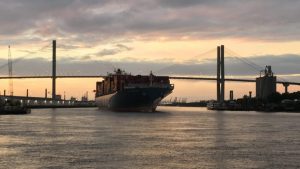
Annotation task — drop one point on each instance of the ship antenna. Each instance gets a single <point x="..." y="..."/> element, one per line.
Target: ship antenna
<point x="151" y="78"/>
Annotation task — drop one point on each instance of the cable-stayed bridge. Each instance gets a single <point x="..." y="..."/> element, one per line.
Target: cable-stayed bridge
<point x="171" y="77"/>
<point x="54" y="76"/>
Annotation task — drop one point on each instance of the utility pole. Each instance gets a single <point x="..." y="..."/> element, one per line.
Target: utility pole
<point x="46" y="93"/>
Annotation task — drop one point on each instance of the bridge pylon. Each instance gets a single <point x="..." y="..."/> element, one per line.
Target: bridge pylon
<point x="53" y="69"/>
<point x="220" y="74"/>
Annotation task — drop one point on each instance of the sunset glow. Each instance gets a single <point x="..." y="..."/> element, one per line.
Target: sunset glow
<point x="159" y="34"/>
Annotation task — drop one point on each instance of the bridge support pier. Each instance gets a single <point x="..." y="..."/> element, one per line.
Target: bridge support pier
<point x="286" y="85"/>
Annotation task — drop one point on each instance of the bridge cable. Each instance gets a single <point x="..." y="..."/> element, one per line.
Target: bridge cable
<point x="254" y="67"/>
<point x="10" y="72"/>
<point x="195" y="56"/>
<point x="250" y="63"/>
<point x="23" y="57"/>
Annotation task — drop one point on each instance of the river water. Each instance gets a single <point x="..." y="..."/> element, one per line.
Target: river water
<point x="174" y="137"/>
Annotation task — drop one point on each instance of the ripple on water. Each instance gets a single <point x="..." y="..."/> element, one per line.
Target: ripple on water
<point x="172" y="138"/>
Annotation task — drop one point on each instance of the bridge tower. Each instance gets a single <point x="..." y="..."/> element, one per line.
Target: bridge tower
<point x="53" y="69"/>
<point x="220" y="74"/>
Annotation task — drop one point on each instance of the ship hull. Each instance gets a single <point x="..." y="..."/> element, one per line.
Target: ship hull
<point x="133" y="99"/>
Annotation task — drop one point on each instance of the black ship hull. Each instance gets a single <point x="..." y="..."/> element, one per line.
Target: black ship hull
<point x="134" y="99"/>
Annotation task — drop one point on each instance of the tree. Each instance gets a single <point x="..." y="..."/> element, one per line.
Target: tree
<point x="275" y="98"/>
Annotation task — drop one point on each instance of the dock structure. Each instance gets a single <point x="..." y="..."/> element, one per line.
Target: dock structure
<point x="43" y="102"/>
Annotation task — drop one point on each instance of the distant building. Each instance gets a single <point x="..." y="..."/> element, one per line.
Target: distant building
<point x="58" y="97"/>
<point x="265" y="85"/>
<point x="84" y="99"/>
<point x="73" y="99"/>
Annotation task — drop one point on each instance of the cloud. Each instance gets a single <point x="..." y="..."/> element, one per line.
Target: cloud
<point x="116" y="49"/>
<point x="106" y="52"/>
<point x="113" y="51"/>
<point x="184" y="3"/>
<point x="124" y="47"/>
<point x="95" y="21"/>
<point x="87" y="57"/>
<point x="26" y="51"/>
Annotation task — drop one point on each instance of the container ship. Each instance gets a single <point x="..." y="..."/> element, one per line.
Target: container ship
<point x="121" y="91"/>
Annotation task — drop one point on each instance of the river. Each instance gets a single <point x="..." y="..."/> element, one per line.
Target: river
<point x="173" y="137"/>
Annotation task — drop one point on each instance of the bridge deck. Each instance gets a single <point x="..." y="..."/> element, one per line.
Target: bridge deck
<point x="171" y="77"/>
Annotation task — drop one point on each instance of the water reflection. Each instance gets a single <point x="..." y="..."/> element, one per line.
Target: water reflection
<point x="5" y="142"/>
<point x="172" y="138"/>
<point x="220" y="155"/>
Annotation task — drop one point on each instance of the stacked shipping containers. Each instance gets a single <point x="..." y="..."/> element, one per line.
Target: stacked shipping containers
<point x="117" y="82"/>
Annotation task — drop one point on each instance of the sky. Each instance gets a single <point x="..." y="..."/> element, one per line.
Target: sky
<point x="168" y="37"/>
